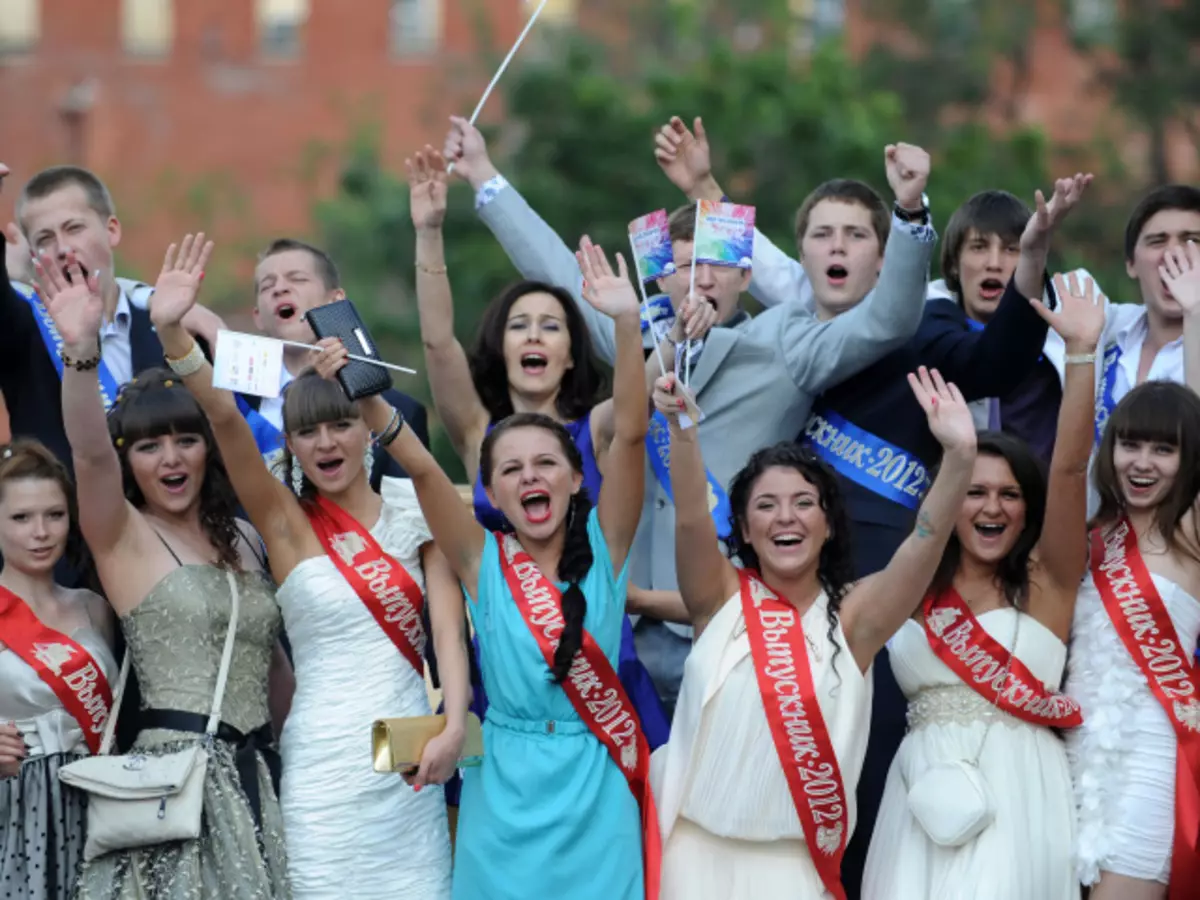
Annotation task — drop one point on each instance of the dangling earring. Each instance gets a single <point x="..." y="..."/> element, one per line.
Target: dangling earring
<point x="369" y="460"/>
<point x="297" y="476"/>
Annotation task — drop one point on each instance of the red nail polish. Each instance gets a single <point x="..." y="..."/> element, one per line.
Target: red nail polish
<point x="416" y="788"/>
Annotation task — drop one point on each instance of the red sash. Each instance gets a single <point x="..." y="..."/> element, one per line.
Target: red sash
<point x="802" y="741"/>
<point x="1140" y="618"/>
<point x="384" y="586"/>
<point x="981" y="661"/>
<point x="594" y="690"/>
<point x="66" y="667"/>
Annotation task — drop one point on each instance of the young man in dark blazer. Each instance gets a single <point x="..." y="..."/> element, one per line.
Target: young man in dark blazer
<point x="291" y="278"/>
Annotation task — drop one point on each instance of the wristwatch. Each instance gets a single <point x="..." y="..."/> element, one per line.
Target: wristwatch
<point x="919" y="215"/>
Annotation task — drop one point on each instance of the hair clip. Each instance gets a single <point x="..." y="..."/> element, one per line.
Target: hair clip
<point x="169" y="383"/>
<point x="8" y="452"/>
<point x="119" y="442"/>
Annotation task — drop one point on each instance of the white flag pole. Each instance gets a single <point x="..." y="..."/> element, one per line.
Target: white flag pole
<point x="687" y="367"/>
<point x="645" y="303"/>
<point x="504" y="65"/>
<point x="353" y="356"/>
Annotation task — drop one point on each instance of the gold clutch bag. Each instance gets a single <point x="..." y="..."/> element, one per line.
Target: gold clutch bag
<point x="397" y="744"/>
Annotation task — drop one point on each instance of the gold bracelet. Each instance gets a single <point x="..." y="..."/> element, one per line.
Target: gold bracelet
<point x="188" y="364"/>
<point x="1080" y="359"/>
<point x="431" y="270"/>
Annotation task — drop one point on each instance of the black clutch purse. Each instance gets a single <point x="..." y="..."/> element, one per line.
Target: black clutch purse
<point x="341" y="320"/>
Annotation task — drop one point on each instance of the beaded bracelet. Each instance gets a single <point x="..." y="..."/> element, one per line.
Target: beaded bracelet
<point x="81" y="365"/>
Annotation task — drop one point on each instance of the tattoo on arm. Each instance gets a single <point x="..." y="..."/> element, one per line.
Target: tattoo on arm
<point x="924" y="527"/>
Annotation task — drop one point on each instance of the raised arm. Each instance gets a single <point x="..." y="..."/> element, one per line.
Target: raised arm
<point x="270" y="504"/>
<point x="819" y="355"/>
<point x="533" y="246"/>
<point x="1062" y="549"/>
<point x="105" y="517"/>
<point x="706" y="578"/>
<point x="623" y="489"/>
<point x="19" y="336"/>
<point x="1180" y="271"/>
<point x="454" y="395"/>
<point x="684" y="156"/>
<point x="877" y="606"/>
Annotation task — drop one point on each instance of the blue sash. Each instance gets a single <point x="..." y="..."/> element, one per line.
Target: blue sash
<point x="54" y="344"/>
<point x="1108" y="383"/>
<point x="268" y="438"/>
<point x="867" y="459"/>
<point x="658" y="451"/>
<point x="659" y="314"/>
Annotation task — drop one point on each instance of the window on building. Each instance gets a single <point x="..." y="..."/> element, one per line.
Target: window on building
<point x="147" y="27"/>
<point x="20" y="27"/>
<point x="281" y="27"/>
<point x="414" y="27"/>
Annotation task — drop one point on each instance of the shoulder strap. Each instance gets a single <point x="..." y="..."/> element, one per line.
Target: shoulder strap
<point x="214" y="718"/>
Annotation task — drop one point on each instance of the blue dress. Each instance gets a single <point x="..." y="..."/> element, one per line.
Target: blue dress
<point x="548" y="814"/>
<point x="634" y="677"/>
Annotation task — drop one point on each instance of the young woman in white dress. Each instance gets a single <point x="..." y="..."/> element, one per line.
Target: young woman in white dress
<point x="350" y="831"/>
<point x="730" y="826"/>
<point x="1135" y="781"/>
<point x="1010" y="572"/>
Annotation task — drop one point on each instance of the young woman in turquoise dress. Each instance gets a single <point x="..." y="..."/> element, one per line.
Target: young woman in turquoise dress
<point x="532" y="353"/>
<point x="551" y="812"/>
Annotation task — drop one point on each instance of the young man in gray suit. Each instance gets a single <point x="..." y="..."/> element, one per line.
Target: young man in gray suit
<point x="755" y="378"/>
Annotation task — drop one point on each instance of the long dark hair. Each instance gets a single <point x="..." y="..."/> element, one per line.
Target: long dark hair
<point x="308" y="401"/>
<point x="156" y="403"/>
<point x="576" y="559"/>
<point x="26" y="459"/>
<point x="1012" y="572"/>
<point x="581" y="384"/>
<point x="1160" y="412"/>
<point x="835" y="567"/>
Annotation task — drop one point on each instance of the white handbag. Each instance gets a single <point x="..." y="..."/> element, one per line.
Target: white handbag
<point x="951" y="801"/>
<point x="139" y="799"/>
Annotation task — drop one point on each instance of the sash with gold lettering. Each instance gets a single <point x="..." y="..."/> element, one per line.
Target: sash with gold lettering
<point x="594" y="690"/>
<point x="1140" y="618"/>
<point x="384" y="586"/>
<point x="67" y="668"/>
<point x="802" y="741"/>
<point x="981" y="662"/>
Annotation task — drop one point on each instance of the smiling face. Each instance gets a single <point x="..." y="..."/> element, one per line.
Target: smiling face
<point x="1145" y="470"/>
<point x="992" y="517"/>
<point x="785" y="524"/>
<point x="985" y="266"/>
<point x="34" y="524"/>
<point x="64" y="221"/>
<point x="1164" y="230"/>
<point x="537" y="345"/>
<point x="331" y="454"/>
<point x="169" y="470"/>
<point x="288" y="285"/>
<point x="841" y="253"/>
<point x="532" y="481"/>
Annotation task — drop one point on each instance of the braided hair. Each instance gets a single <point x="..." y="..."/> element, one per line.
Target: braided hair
<point x="835" y="568"/>
<point x="156" y="403"/>
<point x="577" y="557"/>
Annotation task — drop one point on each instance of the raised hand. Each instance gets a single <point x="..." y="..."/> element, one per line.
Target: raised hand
<point x="1079" y="318"/>
<point x="73" y="299"/>
<point x="949" y="416"/>
<point x="466" y="150"/>
<point x="331" y="358"/>
<point x="694" y="320"/>
<point x="673" y="398"/>
<point x="1047" y="216"/>
<point x="427" y="189"/>
<point x="683" y="154"/>
<point x="612" y="294"/>
<point x="907" y="173"/>
<point x="16" y="248"/>
<point x="1180" y="272"/>
<point x="179" y="281"/>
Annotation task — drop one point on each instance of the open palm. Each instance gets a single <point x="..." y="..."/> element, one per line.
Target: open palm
<point x="611" y="294"/>
<point x="1180" y="271"/>
<point x="74" y="303"/>
<point x="949" y="417"/>
<point x="178" y="283"/>
<point x="1079" y="318"/>
<point x="683" y="155"/>
<point x="427" y="188"/>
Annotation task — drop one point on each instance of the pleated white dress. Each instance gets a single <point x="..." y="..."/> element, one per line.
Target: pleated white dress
<point x="351" y="831"/>
<point x="1026" y="851"/>
<point x="1123" y="757"/>
<point x="729" y="826"/>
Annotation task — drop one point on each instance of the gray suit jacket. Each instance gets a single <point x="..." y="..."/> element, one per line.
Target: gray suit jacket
<point x="756" y="377"/>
